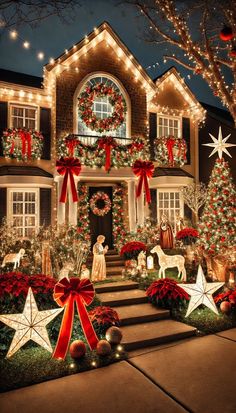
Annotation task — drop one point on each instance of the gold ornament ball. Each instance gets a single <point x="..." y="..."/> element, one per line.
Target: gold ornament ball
<point x="114" y="335"/>
<point x="225" y="307"/>
<point x="77" y="349"/>
<point x="103" y="348"/>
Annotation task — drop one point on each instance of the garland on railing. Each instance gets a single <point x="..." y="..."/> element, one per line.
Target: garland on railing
<point x="96" y="154"/>
<point x="170" y="151"/>
<point x="22" y="144"/>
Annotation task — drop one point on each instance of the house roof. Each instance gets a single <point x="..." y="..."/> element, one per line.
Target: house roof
<point x="23" y="170"/>
<point x="218" y="113"/>
<point x="170" y="172"/>
<point x="20" y="78"/>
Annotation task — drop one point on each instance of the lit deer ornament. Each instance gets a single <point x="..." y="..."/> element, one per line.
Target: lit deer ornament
<point x="170" y="261"/>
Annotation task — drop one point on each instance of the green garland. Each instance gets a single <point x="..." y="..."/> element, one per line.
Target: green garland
<point x="83" y="212"/>
<point x="162" y="155"/>
<point x="119" y="228"/>
<point x="13" y="144"/>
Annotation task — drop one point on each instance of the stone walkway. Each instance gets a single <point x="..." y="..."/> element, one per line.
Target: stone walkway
<point x="194" y="375"/>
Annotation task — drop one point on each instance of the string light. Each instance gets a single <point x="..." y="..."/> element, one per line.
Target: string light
<point x="13" y="34"/>
<point x="26" y="45"/>
<point x="40" y="55"/>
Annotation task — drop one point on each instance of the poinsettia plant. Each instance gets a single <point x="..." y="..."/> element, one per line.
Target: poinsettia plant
<point x="166" y="293"/>
<point x="132" y="249"/>
<point x="229" y="295"/>
<point x="187" y="235"/>
<point x="103" y="317"/>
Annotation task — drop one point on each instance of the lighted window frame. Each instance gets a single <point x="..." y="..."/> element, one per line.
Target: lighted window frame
<point x="169" y="203"/>
<point x="168" y="125"/>
<point x="23" y="116"/>
<point x="23" y="210"/>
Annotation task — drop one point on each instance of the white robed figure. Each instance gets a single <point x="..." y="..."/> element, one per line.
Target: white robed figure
<point x="99" y="263"/>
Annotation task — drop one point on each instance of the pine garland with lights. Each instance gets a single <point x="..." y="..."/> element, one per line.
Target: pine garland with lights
<point x="175" y="156"/>
<point x="119" y="228"/>
<point x="22" y="144"/>
<point x="217" y="225"/>
<point x="83" y="228"/>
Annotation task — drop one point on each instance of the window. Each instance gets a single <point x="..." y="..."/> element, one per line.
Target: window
<point x="170" y="204"/>
<point x="23" y="117"/>
<point x="23" y="211"/>
<point x="168" y="126"/>
<point x="102" y="109"/>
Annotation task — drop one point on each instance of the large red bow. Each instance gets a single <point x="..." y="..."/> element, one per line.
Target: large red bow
<point x="68" y="167"/>
<point x="66" y="293"/>
<point x="143" y="169"/>
<point x="170" y="144"/>
<point x="25" y="139"/>
<point x="107" y="143"/>
<point x="71" y="144"/>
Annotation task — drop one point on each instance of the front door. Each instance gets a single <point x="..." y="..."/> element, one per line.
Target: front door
<point x="101" y="225"/>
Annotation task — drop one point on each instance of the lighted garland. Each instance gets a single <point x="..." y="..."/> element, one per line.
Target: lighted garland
<point x="95" y="155"/>
<point x="22" y="144"/>
<point x="98" y="199"/>
<point x="170" y="151"/>
<point x="87" y="115"/>
<point x="83" y="212"/>
<point x="118" y="217"/>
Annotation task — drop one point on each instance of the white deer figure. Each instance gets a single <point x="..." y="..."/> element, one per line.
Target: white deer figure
<point x="170" y="261"/>
<point x="13" y="258"/>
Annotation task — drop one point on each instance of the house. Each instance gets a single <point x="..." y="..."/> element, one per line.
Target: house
<point x="30" y="188"/>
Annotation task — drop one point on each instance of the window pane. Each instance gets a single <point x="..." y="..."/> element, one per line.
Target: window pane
<point x="166" y="195"/>
<point x="17" y="196"/>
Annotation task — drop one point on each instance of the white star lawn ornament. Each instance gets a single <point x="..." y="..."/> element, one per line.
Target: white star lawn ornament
<point x="201" y="292"/>
<point x="219" y="144"/>
<point x="30" y="325"/>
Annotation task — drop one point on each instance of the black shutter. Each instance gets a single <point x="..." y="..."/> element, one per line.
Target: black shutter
<point x="186" y="136"/>
<point x="45" y="129"/>
<point x="3" y="204"/>
<point x="45" y="207"/>
<point x="153" y="205"/>
<point x="152" y="132"/>
<point x="3" y="122"/>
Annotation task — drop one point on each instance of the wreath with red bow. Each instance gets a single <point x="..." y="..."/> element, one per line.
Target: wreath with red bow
<point x="87" y="114"/>
<point x="100" y="204"/>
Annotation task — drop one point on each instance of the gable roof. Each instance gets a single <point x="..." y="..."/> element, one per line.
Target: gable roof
<point x="219" y="114"/>
<point x="18" y="78"/>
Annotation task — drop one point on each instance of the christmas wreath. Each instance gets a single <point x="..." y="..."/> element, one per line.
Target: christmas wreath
<point x="100" y="204"/>
<point x="86" y="113"/>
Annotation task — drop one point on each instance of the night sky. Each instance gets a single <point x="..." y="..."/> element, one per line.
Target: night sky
<point x="53" y="37"/>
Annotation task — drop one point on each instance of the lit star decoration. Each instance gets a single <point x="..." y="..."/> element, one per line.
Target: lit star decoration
<point x="219" y="144"/>
<point x="201" y="292"/>
<point x="30" y="325"/>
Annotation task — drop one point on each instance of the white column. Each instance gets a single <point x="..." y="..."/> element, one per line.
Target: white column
<point x="61" y="207"/>
<point x="73" y="206"/>
<point x="140" y="209"/>
<point x="132" y="205"/>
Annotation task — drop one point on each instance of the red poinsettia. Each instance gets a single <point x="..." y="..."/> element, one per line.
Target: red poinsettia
<point x="104" y="316"/>
<point x="229" y="296"/>
<point x="132" y="249"/>
<point x="14" y="284"/>
<point x="166" y="293"/>
<point x="187" y="235"/>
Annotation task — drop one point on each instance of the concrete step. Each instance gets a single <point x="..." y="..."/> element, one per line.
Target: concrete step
<point x="155" y="332"/>
<point x="114" y="270"/>
<point x="116" y="286"/>
<point x="119" y="298"/>
<point x="140" y="313"/>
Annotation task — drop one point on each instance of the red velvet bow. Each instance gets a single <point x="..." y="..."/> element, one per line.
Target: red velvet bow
<point x="107" y="143"/>
<point x="68" y="167"/>
<point x="25" y="139"/>
<point x="66" y="293"/>
<point x="143" y="169"/>
<point x="71" y="144"/>
<point x="170" y="144"/>
<point x="136" y="147"/>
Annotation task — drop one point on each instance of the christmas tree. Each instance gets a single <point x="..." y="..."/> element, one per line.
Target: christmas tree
<point x="217" y="226"/>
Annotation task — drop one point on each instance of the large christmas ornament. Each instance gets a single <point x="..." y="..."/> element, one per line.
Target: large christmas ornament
<point x="103" y="348"/>
<point x="219" y="144"/>
<point x="77" y="349"/>
<point x="225" y="307"/>
<point x="30" y="325"/>
<point x="226" y="33"/>
<point x="66" y="294"/>
<point x="114" y="335"/>
<point x="201" y="293"/>
<point x="68" y="167"/>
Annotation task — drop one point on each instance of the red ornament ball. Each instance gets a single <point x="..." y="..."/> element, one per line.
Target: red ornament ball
<point x="226" y="33"/>
<point x="225" y="307"/>
<point x="232" y="52"/>
<point x="114" y="335"/>
<point x="77" y="349"/>
<point x="103" y="348"/>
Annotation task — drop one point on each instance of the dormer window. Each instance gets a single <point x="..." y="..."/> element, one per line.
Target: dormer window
<point x="168" y="126"/>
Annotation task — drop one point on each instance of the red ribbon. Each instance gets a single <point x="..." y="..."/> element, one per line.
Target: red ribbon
<point x="71" y="144"/>
<point x="143" y="169"/>
<point x="68" y="167"/>
<point x="170" y="144"/>
<point x="66" y="293"/>
<point x="25" y="139"/>
<point x="107" y="143"/>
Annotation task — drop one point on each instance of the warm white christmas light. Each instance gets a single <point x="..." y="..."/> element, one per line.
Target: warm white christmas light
<point x="30" y="325"/>
<point x="201" y="292"/>
<point x="40" y="55"/>
<point x="13" y="34"/>
<point x="26" y="45"/>
<point x="219" y="144"/>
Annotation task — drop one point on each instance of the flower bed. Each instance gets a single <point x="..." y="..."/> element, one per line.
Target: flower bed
<point x="166" y="293"/>
<point x="187" y="235"/>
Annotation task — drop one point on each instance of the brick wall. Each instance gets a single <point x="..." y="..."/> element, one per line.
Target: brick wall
<point x="103" y="59"/>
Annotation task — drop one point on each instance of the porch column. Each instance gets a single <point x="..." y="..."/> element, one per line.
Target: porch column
<point x="61" y="207"/>
<point x="73" y="206"/>
<point x="140" y="209"/>
<point x="132" y="205"/>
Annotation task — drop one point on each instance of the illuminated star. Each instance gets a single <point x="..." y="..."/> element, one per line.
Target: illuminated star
<point x="201" y="292"/>
<point x="219" y="144"/>
<point x="30" y="325"/>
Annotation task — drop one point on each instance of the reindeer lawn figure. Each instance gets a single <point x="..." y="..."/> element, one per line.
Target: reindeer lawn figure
<point x="170" y="261"/>
<point x="13" y="258"/>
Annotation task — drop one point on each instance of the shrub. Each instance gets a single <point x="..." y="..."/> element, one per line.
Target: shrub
<point x="132" y="249"/>
<point x="187" y="235"/>
<point x="103" y="317"/>
<point x="166" y="293"/>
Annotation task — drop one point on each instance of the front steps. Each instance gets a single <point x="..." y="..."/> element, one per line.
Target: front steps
<point x="114" y="264"/>
<point x="142" y="324"/>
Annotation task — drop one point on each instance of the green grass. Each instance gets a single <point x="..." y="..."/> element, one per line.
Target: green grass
<point x="35" y="365"/>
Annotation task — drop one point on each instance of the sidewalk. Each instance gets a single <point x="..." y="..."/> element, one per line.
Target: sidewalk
<point x="196" y="375"/>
